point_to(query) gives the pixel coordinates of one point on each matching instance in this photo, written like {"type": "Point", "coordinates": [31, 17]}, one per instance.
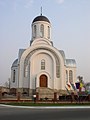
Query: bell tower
{"type": "Point", "coordinates": [41, 29]}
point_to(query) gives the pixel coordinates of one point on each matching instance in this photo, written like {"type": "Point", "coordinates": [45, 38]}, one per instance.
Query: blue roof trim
{"type": "Point", "coordinates": [15, 63]}
{"type": "Point", "coordinates": [70, 63]}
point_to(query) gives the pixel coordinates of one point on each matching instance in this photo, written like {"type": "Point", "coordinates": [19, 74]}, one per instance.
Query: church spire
{"type": "Point", "coordinates": [41, 11]}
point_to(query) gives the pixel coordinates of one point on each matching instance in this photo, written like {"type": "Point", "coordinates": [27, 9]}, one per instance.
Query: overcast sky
{"type": "Point", "coordinates": [70, 21]}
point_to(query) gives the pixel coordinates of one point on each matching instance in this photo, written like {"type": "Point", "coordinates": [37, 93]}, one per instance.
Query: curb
{"type": "Point", "coordinates": [47, 107]}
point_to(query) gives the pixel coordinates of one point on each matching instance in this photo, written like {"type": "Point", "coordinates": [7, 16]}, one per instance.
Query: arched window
{"type": "Point", "coordinates": [35, 31]}
{"type": "Point", "coordinates": [70, 76]}
{"type": "Point", "coordinates": [41, 30]}
{"type": "Point", "coordinates": [66, 76]}
{"type": "Point", "coordinates": [14, 74]}
{"type": "Point", "coordinates": [42, 64]}
{"type": "Point", "coordinates": [48, 32]}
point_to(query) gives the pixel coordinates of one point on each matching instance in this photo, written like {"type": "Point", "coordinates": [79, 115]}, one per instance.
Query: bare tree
{"type": "Point", "coordinates": [80, 78]}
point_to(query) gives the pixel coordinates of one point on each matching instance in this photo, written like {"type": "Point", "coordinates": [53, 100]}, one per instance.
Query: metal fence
{"type": "Point", "coordinates": [44, 97]}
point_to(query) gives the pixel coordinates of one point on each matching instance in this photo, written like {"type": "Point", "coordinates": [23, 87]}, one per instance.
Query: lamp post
{"type": "Point", "coordinates": [18, 89]}
{"type": "Point", "coordinates": [0, 93]}
{"type": "Point", "coordinates": [9, 84]}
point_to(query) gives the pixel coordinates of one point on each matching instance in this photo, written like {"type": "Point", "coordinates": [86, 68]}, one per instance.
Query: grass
{"type": "Point", "coordinates": [47, 104]}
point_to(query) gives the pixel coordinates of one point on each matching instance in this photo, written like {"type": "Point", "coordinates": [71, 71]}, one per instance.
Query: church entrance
{"type": "Point", "coordinates": [43, 80]}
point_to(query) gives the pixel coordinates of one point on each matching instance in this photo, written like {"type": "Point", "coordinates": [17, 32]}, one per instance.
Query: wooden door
{"type": "Point", "coordinates": [43, 81]}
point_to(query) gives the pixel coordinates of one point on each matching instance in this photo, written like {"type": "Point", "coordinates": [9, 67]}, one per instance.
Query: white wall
{"type": "Point", "coordinates": [36, 68]}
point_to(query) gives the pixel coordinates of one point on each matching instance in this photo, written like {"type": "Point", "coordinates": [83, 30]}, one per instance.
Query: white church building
{"type": "Point", "coordinates": [41, 67]}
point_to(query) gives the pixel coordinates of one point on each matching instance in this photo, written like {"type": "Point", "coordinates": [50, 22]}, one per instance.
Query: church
{"type": "Point", "coordinates": [42, 67]}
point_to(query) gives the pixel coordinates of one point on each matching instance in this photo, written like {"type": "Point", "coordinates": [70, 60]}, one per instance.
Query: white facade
{"type": "Point", "coordinates": [42, 65]}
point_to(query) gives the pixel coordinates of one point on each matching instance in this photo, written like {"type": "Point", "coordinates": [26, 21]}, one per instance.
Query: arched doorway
{"type": "Point", "coordinates": [43, 80]}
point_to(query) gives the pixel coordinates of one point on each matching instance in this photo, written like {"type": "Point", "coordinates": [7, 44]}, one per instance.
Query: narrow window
{"type": "Point", "coordinates": [42, 30]}
{"type": "Point", "coordinates": [70, 76]}
{"type": "Point", "coordinates": [57, 71]}
{"type": "Point", "coordinates": [66, 76]}
{"type": "Point", "coordinates": [26, 71]}
{"type": "Point", "coordinates": [14, 74]}
{"type": "Point", "coordinates": [43, 64]}
{"type": "Point", "coordinates": [48, 32]}
{"type": "Point", "coordinates": [35, 31]}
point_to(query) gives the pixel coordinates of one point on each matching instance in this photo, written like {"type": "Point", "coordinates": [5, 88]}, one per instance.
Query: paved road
{"type": "Point", "coordinates": [8, 113]}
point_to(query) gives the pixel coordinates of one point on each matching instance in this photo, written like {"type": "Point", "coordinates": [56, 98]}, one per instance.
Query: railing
{"type": "Point", "coordinates": [55, 98]}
